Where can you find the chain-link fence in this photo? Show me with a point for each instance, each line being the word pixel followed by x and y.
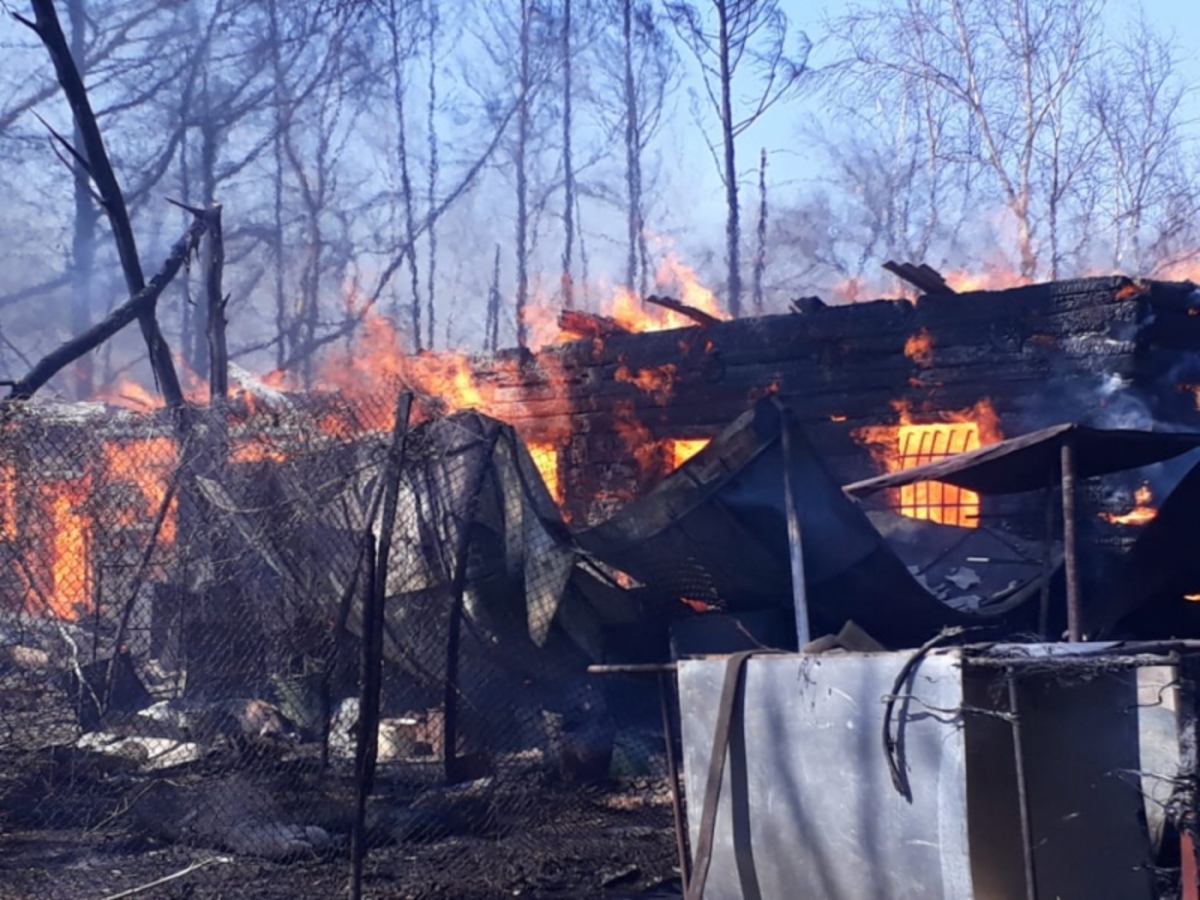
pixel 182 606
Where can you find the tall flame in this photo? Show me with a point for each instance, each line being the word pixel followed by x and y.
pixel 145 463
pixel 69 591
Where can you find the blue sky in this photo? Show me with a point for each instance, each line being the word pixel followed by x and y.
pixel 698 200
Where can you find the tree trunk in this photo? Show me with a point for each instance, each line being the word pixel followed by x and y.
pixel 491 336
pixel 760 253
pixel 632 151
pixel 87 217
pixel 522 176
pixel 568 165
pixel 406 186
pixel 49 30
pixel 431 130
pixel 732 221
pixel 281 304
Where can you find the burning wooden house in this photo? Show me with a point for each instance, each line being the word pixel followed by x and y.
pixel 240 576
pixel 607 411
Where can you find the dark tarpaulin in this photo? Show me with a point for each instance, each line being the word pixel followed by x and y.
pixel 715 530
pixel 1159 569
pixel 1033 461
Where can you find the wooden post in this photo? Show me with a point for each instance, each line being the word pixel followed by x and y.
pixel 367 746
pixel 1070 563
pixel 795 547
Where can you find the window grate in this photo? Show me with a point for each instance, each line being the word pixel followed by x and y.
pixel 918 445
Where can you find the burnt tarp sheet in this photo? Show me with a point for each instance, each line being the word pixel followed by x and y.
pixel 715 531
pixel 1033 461
pixel 1158 570
pixel 533 614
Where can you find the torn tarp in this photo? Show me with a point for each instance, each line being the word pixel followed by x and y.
pixel 470 504
pixel 715 531
pixel 1158 571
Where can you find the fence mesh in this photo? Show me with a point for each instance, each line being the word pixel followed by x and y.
pixel 181 607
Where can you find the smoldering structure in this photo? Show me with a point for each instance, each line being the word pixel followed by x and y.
pixel 189 615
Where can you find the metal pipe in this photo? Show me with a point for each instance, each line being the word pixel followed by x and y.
pixel 1047 550
pixel 1070 563
pixel 795 546
pixel 631 669
pixel 1022 788
pixel 664 686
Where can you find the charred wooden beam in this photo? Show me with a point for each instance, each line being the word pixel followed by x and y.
pixel 697 315
pixel 589 325
pixel 924 278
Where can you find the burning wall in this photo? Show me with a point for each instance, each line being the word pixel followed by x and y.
pixel 876 386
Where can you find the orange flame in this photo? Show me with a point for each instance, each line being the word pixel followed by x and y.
pixel 69 591
pixel 908 444
pixel 8 502
pixel 145 463
pixel 545 457
pixel 1141 513
pixel 683 449
pixel 658 381
pixel 256 450
pixel 919 348
pixel 637 438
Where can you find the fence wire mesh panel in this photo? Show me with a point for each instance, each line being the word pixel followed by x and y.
pixel 181 665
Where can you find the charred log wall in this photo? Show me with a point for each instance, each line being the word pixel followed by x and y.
pixel 1107 351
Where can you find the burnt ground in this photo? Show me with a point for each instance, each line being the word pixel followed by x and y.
pixel 76 865
pixel 95 838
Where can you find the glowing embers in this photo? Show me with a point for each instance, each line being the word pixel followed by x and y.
pixel 680 450
pixel 1143 510
pixel 546 458
pixel 931 500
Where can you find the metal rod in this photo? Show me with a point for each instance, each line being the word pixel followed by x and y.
pixel 795 546
pixel 632 669
pixel 1070 563
pixel 1187 718
pixel 1022 788
pixel 366 747
pixel 664 689
pixel 1047 550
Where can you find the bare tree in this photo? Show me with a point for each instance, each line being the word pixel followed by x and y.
pixel 1147 194
pixel 432 16
pixel 647 73
pixel 569 206
pixel 1014 72
pixel 760 249
pixel 729 37
pixel 401 23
